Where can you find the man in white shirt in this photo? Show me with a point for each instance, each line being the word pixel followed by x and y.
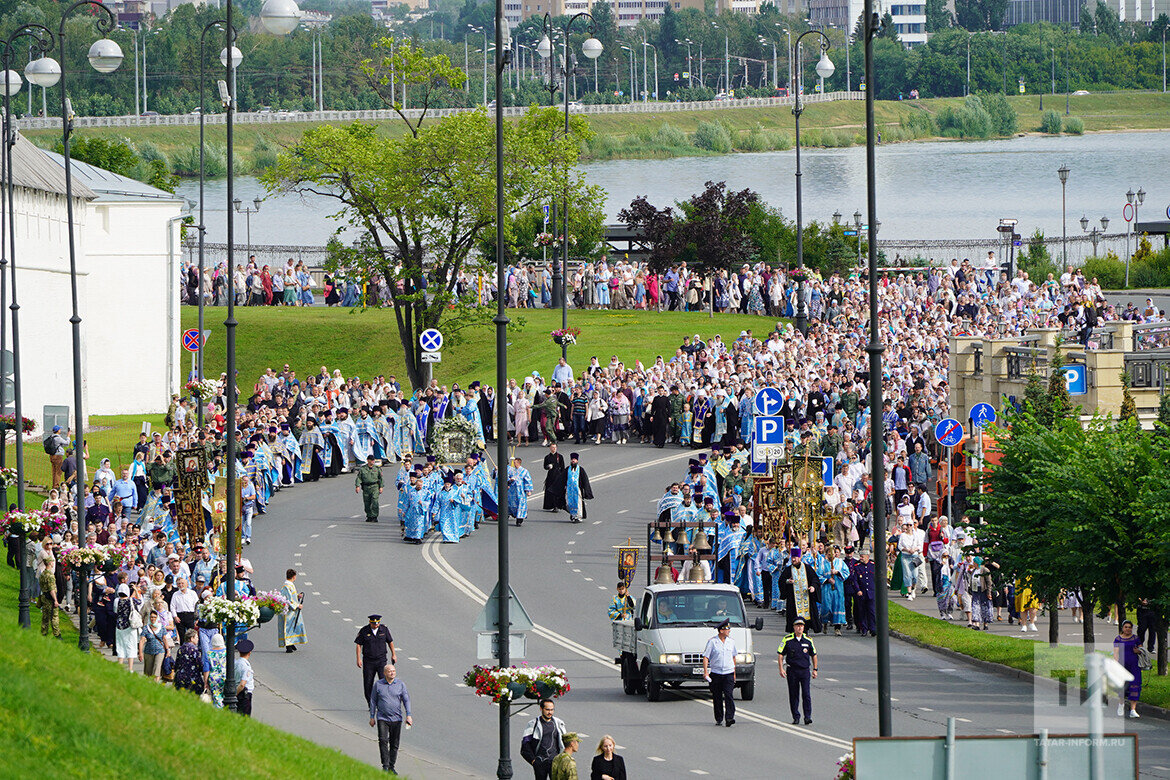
pixel 247 677
pixel 719 672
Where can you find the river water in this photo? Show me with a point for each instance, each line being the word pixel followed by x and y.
pixel 929 190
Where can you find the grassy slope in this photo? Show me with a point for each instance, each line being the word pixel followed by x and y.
pixel 1016 653
pixel 1120 111
pixel 367 343
pixel 64 714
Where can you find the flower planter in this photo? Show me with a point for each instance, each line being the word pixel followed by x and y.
pixel 530 693
pixel 543 690
pixel 517 690
pixel 109 567
pixel 266 614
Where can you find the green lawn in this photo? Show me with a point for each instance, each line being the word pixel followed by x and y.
pixel 366 343
pixel 1016 653
pixel 66 714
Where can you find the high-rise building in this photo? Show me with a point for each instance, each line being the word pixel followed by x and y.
pixel 1032 11
pixel 909 16
pixel 1139 10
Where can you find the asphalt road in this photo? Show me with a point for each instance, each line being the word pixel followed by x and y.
pixel 431 595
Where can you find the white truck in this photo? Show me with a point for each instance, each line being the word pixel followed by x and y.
pixel 663 644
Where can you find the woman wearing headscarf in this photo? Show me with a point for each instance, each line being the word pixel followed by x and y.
pixel 191 671
pixel 127 608
pixel 217 669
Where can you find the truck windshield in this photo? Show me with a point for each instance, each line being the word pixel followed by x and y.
pixel 697 608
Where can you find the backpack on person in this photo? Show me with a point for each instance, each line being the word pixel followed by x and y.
pixel 123 613
pixel 49 444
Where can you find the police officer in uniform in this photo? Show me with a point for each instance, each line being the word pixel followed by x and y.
pixel 799 655
pixel 368 482
pixel 372 644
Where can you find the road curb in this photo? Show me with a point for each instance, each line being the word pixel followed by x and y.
pixel 1003 670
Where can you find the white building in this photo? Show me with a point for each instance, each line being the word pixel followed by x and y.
pixel 1146 11
pixel 909 16
pixel 127 249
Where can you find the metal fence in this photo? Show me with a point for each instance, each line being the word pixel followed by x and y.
pixel 941 251
pixel 277 117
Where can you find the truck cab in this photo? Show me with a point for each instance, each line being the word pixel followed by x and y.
pixel 663 644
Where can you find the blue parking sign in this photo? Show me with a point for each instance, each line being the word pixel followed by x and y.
pixel 827 471
pixel 1075 380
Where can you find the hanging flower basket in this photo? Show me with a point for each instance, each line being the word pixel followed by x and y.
pixel 544 239
pixel 85 556
pixel 846 767
pixel 28 520
pixel 266 614
pixel 202 390
pixel 563 336
pixel 509 683
pixel 221 610
pixel 8 422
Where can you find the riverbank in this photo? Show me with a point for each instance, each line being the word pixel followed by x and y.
pixel 673 134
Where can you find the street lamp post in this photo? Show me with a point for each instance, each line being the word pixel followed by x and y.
pixel 857 225
pixel 1135 200
pixel 1062 172
pixel 247 211
pixel 691 73
pixel 202 227
pixel 39 75
pixel 824 70
pixel 1094 234
pixel 105 56
pixel 875 349
pixel 504 764
pixel 632 87
pixel 591 48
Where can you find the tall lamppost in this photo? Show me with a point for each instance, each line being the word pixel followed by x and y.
pixel 591 48
pixel 247 211
pixel 504 764
pixel 280 17
pixel 824 70
pixel 1134 199
pixel 1062 172
pixel 202 227
pixel 105 56
pixel 482 32
pixel 42 72
pixel 875 349
pixel 690 73
pixel 644 59
pixel 633 88
pixel 1094 234
pixel 857 226
pixel 788 32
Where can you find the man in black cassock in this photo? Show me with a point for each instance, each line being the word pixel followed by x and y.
pixel 800 575
pixel 554 479
pixel 660 417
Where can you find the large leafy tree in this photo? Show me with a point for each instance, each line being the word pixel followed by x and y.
pixel 422 200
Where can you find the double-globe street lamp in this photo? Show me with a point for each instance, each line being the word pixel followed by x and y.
pixel 825 69
pixel 591 48
pixel 1095 233
pixel 1135 199
pixel 1063 172
pixel 279 17
pixel 105 56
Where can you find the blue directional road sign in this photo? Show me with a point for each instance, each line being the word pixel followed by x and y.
pixel 982 414
pixel 949 432
pixel 768 402
pixel 430 340
pixel 827 471
pixel 1075 380
pixel 767 437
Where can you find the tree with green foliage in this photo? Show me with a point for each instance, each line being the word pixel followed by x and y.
pixel 889 30
pixel 424 199
pixel 937 16
pixel 111 154
pixel 1128 407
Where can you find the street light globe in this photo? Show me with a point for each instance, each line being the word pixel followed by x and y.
pixel 105 55
pixel 544 48
pixel 237 57
pixel 280 17
pixel 13 81
pixel 43 72
pixel 1084 223
pixel 592 48
pixel 1104 223
pixel 825 66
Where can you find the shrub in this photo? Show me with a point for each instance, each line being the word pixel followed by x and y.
pixel 712 137
pixel 752 141
pixel 114 155
pixel 919 124
pixel 970 121
pixel 1003 117
pixel 1108 270
pixel 263 155
pixel 1074 125
pixel 186 162
pixel 671 136
pixel 778 141
pixel 1050 122
pixel 148 151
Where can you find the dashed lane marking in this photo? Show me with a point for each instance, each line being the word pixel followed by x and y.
pixel 314 536
pixel 589 579
pixel 316 593
pixel 348 620
pixel 326 603
pixel 304 545
pixel 332 526
pixel 654 758
pixel 859 689
pixel 926 709
pixel 830 679
pixel 580 533
pixel 598 522
pixel 411 658
pixel 963 720
pixel 576 571
pixel 427 666
pixel 699 772
pixel 622 511
pixel 337 612
pixel 444 676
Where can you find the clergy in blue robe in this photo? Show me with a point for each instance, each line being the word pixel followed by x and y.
pixel 364 436
pixel 448 510
pixel 402 483
pixel 577 489
pixel 313 451
pixel 519 488
pixel 833 594
pixel 466 506
pixel 416 524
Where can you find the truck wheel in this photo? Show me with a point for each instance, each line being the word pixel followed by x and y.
pixel 652 687
pixel 747 691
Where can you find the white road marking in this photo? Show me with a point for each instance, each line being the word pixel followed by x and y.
pixel 326 603
pixel 412 658
pixel 699 772
pixel 316 593
pixel 568 561
pixel 893 699
pixel 860 689
pixel 589 579
pixel 427 666
pixel 598 522
pixel 654 758
pixel 314 536
pixel 601 587
pixel 580 533
pixel 332 526
pixel 310 584
pixel 354 517
pixel 304 545
pixel 296 555
pixel 571 541
pixel 444 676
pixel 948 670
pixel 436 561
pixel 623 511
pixel 1005 731
pixel 576 571
pixel 337 612
pixel 963 720
pixel 830 679
pixel 926 709
pixel 568 552
pixel 348 620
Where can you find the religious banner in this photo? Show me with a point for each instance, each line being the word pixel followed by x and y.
pixel 627 561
